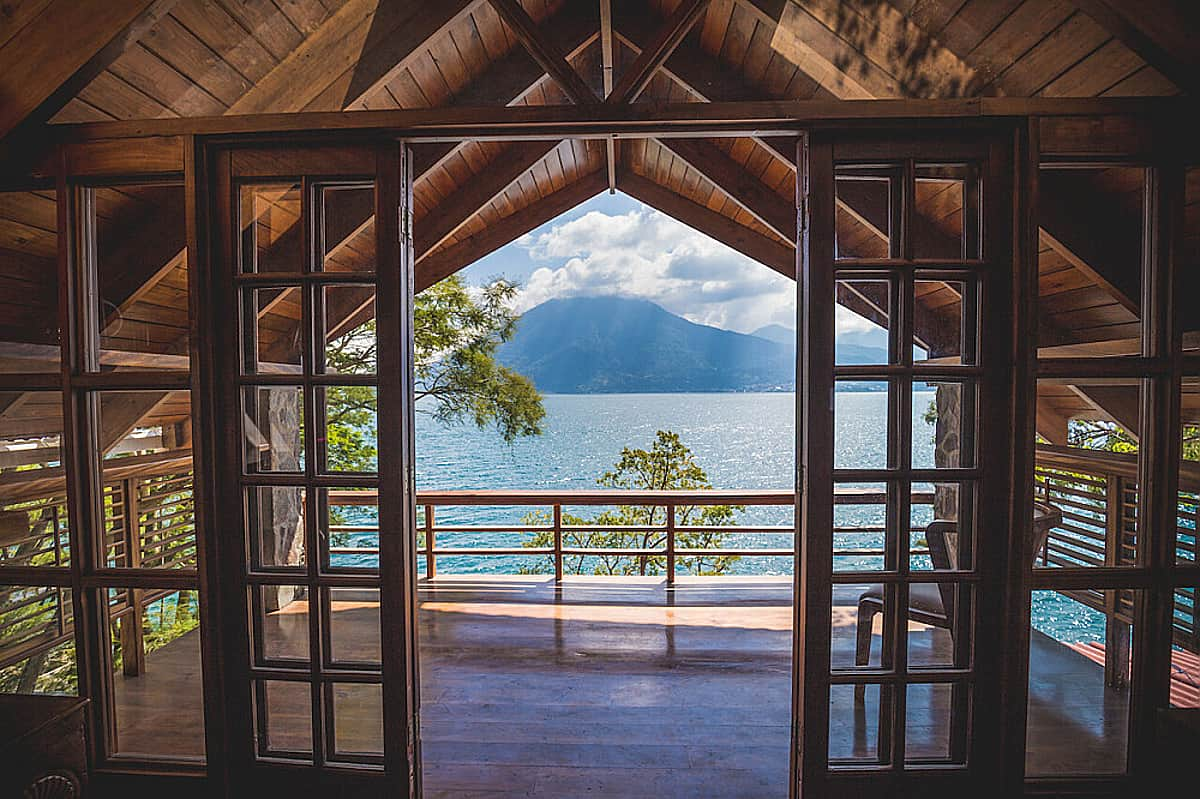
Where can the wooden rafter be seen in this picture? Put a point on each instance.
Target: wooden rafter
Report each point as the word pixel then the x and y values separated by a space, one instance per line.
pixel 731 178
pixel 449 215
pixel 657 51
pixel 545 51
pixel 61 50
pixel 1160 31
pixel 448 260
pixel 357 50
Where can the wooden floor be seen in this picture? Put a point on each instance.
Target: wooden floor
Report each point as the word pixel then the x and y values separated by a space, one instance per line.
pixel 622 688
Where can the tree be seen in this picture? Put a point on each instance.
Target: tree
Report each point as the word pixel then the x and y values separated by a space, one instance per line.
pixel 668 465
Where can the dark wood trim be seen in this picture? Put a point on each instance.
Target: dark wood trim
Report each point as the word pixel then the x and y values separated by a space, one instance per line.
pixel 657 51
pixel 86 37
pixel 544 51
pixel 648 119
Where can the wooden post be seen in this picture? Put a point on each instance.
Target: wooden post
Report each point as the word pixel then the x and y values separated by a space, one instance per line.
pixel 1116 635
pixel 133 641
pixel 558 547
pixel 430 558
pixel 671 544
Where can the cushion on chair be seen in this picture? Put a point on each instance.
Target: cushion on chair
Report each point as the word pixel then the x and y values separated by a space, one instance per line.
pixel 921 596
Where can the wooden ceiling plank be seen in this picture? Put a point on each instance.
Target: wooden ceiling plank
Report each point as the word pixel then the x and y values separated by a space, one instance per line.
pixel 448 260
pixel 771 253
pixel 758 199
pixel 514 161
pixel 1161 32
pixel 351 55
pixel 657 51
pixel 545 51
pixel 60 51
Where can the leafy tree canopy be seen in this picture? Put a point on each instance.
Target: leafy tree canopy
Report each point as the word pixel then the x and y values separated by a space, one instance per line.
pixel 667 465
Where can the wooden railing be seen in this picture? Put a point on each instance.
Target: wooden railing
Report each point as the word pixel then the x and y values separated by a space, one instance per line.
pixel 663 536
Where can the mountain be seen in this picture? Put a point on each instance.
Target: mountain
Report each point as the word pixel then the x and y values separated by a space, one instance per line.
pixel 848 352
pixel 777 333
pixel 592 345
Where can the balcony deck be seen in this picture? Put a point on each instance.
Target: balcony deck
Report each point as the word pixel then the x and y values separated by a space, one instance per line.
pixel 621 687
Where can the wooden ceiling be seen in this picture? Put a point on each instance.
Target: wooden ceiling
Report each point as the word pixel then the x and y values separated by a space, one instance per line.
pixel 64 61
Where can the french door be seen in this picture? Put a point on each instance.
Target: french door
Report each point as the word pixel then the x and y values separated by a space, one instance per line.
pixel 309 316
pixel 901 646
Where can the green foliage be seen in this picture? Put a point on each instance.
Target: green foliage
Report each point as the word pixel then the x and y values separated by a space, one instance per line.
pixel 456 338
pixel 668 465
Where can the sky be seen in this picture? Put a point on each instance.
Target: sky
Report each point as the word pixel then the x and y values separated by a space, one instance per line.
pixel 616 245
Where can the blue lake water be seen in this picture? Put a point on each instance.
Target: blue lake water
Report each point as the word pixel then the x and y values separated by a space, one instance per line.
pixel 743 441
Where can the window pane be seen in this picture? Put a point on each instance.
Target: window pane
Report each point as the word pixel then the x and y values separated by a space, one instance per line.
pixel 280 624
pixel 348 331
pixel 1090 261
pixel 862 317
pixel 350 443
pixel 272 238
pixel 353 627
pixel 275 526
pixel 141 277
pixel 942 333
pixel 1185 649
pixel 946 220
pixel 1189 263
pixel 862 620
pixel 936 723
pixel 351 527
pixel 1079 669
pixel 147 505
pixel 1087 467
pixel 158 702
pixel 943 435
pixel 940 619
pixel 273 330
pixel 861 411
pixel 860 719
pixel 29 331
pixel 942 529
pixel 1188 507
pixel 33 510
pixel 348 227
pixel 865 212
pixel 283 715
pixel 273 429
pixel 357 719
pixel 860 528
pixel 37 644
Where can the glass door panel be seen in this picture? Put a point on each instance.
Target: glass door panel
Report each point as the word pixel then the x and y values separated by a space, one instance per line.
pixel 323 566
pixel 906 387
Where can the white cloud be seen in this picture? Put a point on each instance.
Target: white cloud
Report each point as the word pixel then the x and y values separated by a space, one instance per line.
pixel 645 254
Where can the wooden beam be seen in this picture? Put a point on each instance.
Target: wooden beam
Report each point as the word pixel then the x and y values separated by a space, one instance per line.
pixel 545 51
pixel 512 77
pixel 355 52
pixel 449 215
pixel 606 69
pixel 122 412
pixel 756 246
pixel 1118 404
pixel 445 262
pixel 657 51
pixel 758 199
pixel 1162 32
pixel 61 50
pixel 763 117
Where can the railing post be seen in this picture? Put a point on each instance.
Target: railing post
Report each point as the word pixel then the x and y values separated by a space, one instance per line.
pixel 430 558
pixel 558 547
pixel 671 544
pixel 1116 644
pixel 133 643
